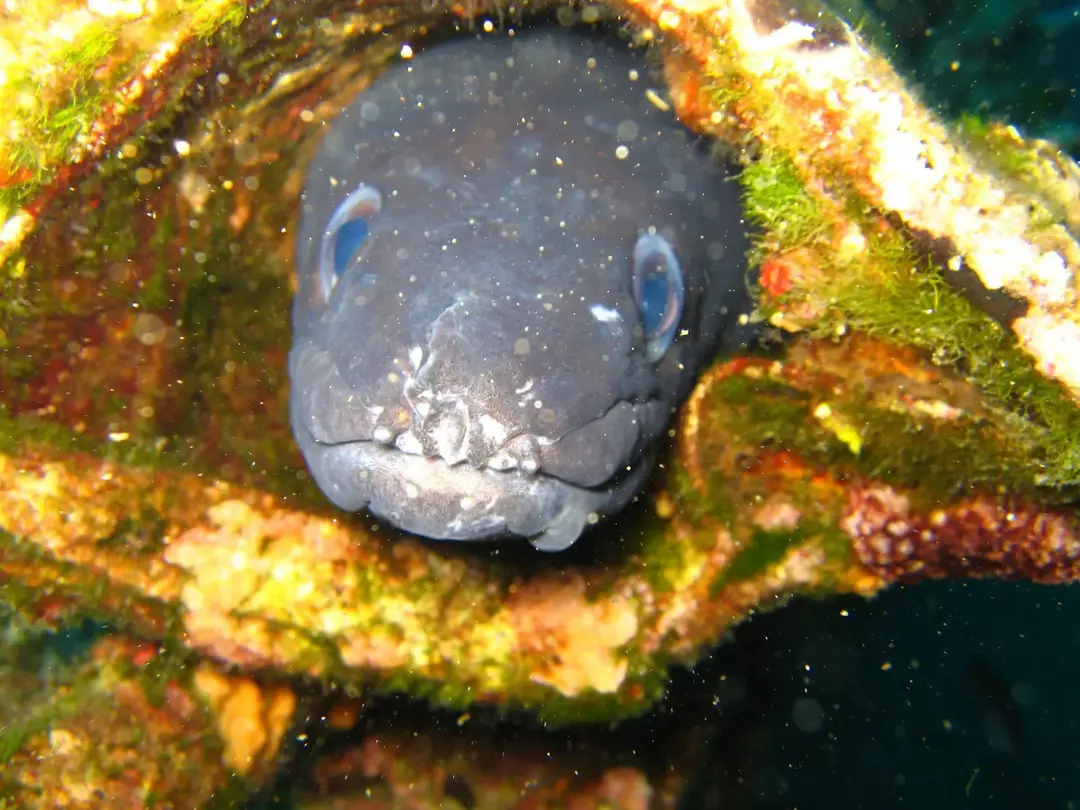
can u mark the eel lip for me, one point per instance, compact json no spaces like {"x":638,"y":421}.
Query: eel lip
{"x":432,"y":498}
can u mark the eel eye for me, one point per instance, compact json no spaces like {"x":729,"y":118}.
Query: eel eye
{"x":658,"y":291}
{"x":345,"y":233}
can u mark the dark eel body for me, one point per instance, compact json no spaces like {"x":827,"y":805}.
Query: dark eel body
{"x":512,"y":266}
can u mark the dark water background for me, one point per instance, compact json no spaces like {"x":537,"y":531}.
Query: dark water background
{"x":1013,"y":59}
{"x":942,"y":695}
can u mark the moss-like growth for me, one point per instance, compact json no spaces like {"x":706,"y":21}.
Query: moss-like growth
{"x":777,"y":201}
{"x":914,"y":306}
{"x":887,"y":290}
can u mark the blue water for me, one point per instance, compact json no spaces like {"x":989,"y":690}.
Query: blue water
{"x":1017,"y":60}
{"x":884,"y":708}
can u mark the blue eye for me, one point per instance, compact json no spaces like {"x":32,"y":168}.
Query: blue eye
{"x":659,"y":292}
{"x":345,"y":233}
{"x":347,"y":241}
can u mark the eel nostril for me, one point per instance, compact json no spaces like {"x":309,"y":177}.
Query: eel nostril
{"x":391,"y":423}
{"x":520,"y":453}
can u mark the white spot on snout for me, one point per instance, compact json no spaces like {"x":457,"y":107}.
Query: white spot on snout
{"x":605,"y":314}
{"x":408,"y":443}
{"x":416,"y":355}
{"x":493,"y":429}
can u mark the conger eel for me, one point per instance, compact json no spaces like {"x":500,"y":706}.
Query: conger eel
{"x":512,"y":265}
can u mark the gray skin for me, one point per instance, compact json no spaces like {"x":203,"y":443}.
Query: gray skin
{"x":479,"y":370}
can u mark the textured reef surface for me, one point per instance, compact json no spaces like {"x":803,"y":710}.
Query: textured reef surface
{"x":914,"y":414}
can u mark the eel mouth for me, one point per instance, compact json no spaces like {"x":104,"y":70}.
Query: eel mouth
{"x":479,"y":426}
{"x":433,"y":498}
{"x":455,"y":463}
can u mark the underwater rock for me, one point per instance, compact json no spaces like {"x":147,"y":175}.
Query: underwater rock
{"x":122,"y":729}
{"x":250,"y":718}
{"x":473,"y":766}
{"x":919,"y":425}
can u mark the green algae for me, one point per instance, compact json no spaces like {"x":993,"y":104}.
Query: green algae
{"x":84,"y":694}
{"x":84,"y":594}
{"x":893,"y":293}
{"x":933,"y":459}
{"x":896,"y":446}
{"x":764,"y":549}
{"x":14,"y":306}
{"x":49,"y":127}
{"x":141,"y":532}
{"x":209,"y":17}
{"x":95,"y":42}
{"x":26,"y":432}
{"x":14,"y":735}
{"x":776,"y":200}
{"x":73,"y":121}
{"x":916,"y":307}
{"x":760,"y":552}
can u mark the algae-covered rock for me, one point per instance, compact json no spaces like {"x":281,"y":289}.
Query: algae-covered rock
{"x":123,"y":728}
{"x":922,"y":423}
{"x":464,"y":764}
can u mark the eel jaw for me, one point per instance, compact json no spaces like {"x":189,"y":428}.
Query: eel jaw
{"x":429,"y":497}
